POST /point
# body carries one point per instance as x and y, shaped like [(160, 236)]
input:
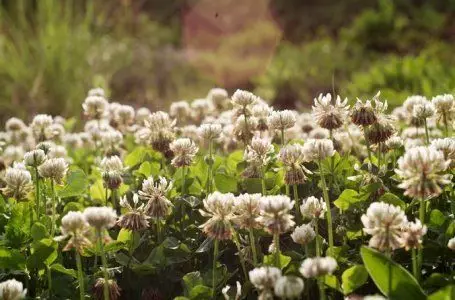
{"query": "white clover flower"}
[(318, 266), (374, 297), (292, 157), (135, 218), (54, 168), (289, 287), (315, 150), (264, 278), (184, 150), (18, 181), (261, 112), (76, 227), (39, 125), (200, 108), (238, 292), (244, 99), (319, 133), (209, 131), (423, 111), (247, 210), (447, 147), (14, 125), (180, 110), (445, 107), (451, 244), (328, 115), (34, 158), (12, 290), (412, 234), (219, 97), (411, 102), (13, 154), (57, 151), (219, 208), (100, 217), (96, 92), (395, 142), (384, 223), (73, 140), (124, 116), (275, 216), (244, 129), (303, 234), (313, 208), (95, 107), (422, 172), (111, 139), (154, 192), (112, 164), (282, 120), (259, 151), (142, 114), (54, 131)]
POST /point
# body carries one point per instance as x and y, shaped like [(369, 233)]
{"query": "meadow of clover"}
[(226, 197)]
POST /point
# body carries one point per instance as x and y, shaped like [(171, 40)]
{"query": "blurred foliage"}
[(52, 52)]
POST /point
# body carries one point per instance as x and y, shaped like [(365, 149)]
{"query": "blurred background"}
[(152, 52)]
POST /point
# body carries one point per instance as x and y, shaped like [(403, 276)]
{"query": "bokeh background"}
[(152, 52)]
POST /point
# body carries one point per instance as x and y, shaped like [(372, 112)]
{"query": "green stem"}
[(288, 191), (106, 198), (114, 199), (446, 126), (298, 215), (427, 136), (37, 194), (389, 277), (263, 184), (276, 243), (54, 200), (158, 231), (80, 275), (316, 230), (367, 143), (379, 155), (283, 142), (327, 203), (322, 294), (422, 209), (253, 247), (415, 268), (183, 180), (49, 281), (210, 168), (215, 257), (104, 262), (242, 260), (307, 250)]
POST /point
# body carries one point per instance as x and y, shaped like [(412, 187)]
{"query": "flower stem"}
[(115, 204), (54, 200), (327, 203), (183, 181), (316, 239), (322, 294), (446, 126), (49, 281), (427, 136), (80, 275), (104, 262), (276, 243), (253, 247), (158, 230), (298, 215), (283, 142), (263, 183), (367, 143), (415, 268), (215, 257), (37, 195), (389, 277), (242, 261), (210, 168), (420, 250)]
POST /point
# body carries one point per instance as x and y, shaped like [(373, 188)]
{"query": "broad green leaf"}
[(12, 259), (270, 260), (353, 278), (437, 219), (382, 269), (332, 281), (446, 293), (253, 185), (136, 157), (201, 292), (346, 199), (39, 231), (76, 184), (114, 246), (72, 206), (225, 183), (61, 269), (190, 280), (44, 252), (17, 230), (98, 192), (393, 199)]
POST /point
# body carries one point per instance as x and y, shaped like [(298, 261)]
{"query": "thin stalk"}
[(37, 195), (389, 277), (158, 231), (115, 204), (288, 191), (322, 294), (422, 209), (253, 247), (183, 180), (327, 203), (446, 125), (298, 215), (263, 183), (283, 142), (379, 156), (49, 281), (367, 143), (80, 275), (318, 247), (106, 198), (307, 250), (242, 260), (210, 168), (276, 243), (215, 256), (415, 268), (427, 136), (104, 262), (54, 200)]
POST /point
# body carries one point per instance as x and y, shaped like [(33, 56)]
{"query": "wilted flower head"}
[(289, 287), (318, 266), (244, 99), (113, 288), (184, 150), (303, 234), (328, 115), (383, 222), (381, 130), (444, 105), (18, 181), (76, 227), (292, 157), (34, 158), (154, 192), (12, 290), (412, 234), (363, 114), (315, 150), (135, 218), (282, 119), (247, 210), (275, 216), (209, 131), (219, 208), (264, 278), (95, 107), (54, 168), (313, 208), (100, 217), (422, 172)]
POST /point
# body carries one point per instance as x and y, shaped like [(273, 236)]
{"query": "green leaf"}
[(403, 285), (44, 253), (11, 259), (76, 184), (201, 292), (17, 230), (114, 246), (346, 199), (72, 206), (97, 191), (437, 219), (269, 260), (446, 293), (393, 199), (225, 183), (136, 157), (353, 278), (190, 280), (253, 185), (332, 281), (39, 231), (61, 269)]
